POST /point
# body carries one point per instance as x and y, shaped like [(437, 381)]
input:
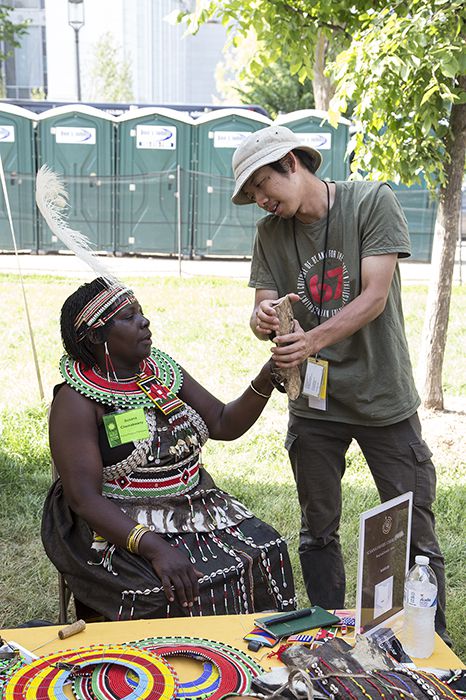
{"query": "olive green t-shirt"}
[(370, 380)]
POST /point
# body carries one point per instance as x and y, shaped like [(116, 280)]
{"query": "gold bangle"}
[(264, 396), (134, 537), (138, 537)]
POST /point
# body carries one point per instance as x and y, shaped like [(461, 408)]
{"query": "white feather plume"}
[(52, 200)]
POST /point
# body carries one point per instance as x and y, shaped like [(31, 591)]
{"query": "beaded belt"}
[(173, 482)]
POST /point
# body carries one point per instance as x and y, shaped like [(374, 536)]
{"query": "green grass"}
[(203, 323)]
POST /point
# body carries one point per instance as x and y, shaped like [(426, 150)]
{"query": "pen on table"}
[(286, 617)]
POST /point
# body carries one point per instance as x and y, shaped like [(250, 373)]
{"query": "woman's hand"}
[(173, 568)]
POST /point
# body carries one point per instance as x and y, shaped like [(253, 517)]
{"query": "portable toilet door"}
[(221, 228), (420, 209), (312, 127), (153, 182), (77, 142), (19, 164)]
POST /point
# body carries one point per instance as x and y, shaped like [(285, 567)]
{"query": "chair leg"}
[(64, 595), (84, 612)]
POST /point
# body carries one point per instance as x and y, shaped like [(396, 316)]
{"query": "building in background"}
[(25, 71), (166, 67)]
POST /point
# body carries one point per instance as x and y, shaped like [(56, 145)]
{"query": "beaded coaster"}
[(235, 670), (88, 669)]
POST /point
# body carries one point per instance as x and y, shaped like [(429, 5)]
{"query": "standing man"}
[(333, 248)]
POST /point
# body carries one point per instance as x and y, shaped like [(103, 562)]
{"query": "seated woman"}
[(134, 523)]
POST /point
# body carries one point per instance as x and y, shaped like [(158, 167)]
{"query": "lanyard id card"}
[(315, 383), (128, 426)]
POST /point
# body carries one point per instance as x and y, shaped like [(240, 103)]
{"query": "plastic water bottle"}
[(420, 604)]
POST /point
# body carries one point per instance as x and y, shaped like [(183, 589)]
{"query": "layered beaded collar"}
[(122, 393)]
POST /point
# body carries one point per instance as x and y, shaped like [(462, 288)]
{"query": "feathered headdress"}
[(52, 200)]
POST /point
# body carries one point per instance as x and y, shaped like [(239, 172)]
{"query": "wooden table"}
[(224, 628)]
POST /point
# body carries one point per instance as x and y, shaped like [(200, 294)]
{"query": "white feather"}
[(52, 200)]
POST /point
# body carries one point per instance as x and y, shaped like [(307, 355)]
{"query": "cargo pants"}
[(399, 461)]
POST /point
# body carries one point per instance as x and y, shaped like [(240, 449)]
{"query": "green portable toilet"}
[(77, 142), (153, 181), (220, 227), (420, 209), (19, 164), (311, 125)]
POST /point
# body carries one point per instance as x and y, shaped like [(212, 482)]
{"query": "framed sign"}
[(384, 537)]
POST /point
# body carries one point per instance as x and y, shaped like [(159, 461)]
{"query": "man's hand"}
[(292, 349), (264, 320)]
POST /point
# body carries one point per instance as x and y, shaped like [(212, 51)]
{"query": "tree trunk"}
[(323, 87), (443, 261)]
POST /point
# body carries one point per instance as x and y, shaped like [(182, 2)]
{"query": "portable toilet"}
[(19, 164), (312, 127), (420, 209), (153, 181), (77, 142), (220, 227)]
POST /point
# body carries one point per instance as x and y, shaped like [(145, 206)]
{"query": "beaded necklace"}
[(124, 393), (87, 669), (232, 670)]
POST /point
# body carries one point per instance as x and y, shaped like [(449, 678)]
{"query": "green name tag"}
[(128, 426)]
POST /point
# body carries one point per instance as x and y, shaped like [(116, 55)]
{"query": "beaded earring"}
[(109, 364)]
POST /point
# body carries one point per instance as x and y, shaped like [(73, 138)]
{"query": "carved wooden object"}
[(291, 377)]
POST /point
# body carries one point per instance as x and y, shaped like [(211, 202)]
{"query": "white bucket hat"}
[(261, 148)]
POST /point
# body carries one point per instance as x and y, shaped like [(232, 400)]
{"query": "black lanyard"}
[(327, 223)]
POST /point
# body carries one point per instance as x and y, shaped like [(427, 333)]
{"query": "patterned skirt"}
[(244, 562)]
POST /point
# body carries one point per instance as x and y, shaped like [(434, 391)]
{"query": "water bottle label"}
[(418, 599)]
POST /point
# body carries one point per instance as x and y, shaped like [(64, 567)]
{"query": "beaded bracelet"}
[(264, 396), (134, 537)]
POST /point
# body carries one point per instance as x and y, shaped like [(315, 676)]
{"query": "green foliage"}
[(38, 93), (292, 46), (111, 75), (10, 32), (277, 88), (397, 63), (400, 71), (284, 28)]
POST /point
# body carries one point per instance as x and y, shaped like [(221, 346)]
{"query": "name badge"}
[(128, 426), (315, 383)]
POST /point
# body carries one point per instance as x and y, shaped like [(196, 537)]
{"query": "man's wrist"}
[(313, 347)]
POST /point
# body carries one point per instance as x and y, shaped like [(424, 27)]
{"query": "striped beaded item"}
[(124, 393), (87, 670), (232, 670), (92, 316)]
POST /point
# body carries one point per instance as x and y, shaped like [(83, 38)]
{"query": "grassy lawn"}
[(203, 323)]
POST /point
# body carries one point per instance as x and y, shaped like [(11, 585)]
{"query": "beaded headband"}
[(93, 314)]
